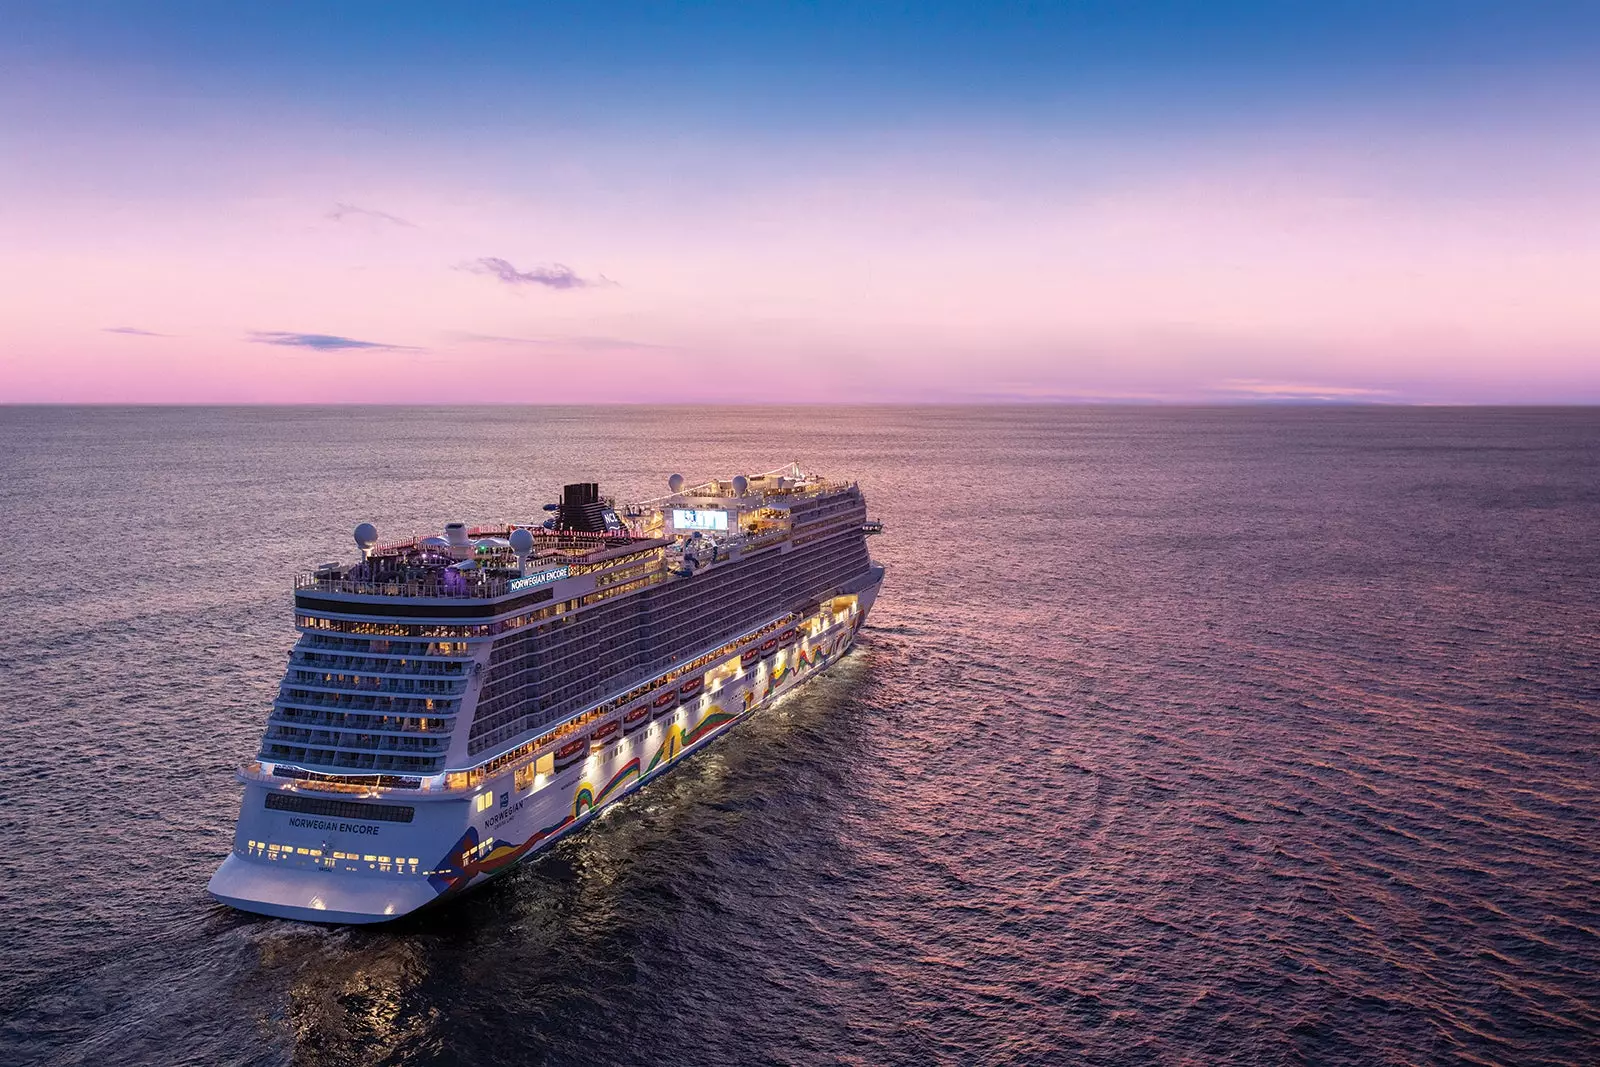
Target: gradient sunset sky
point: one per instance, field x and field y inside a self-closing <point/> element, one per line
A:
<point x="1116" y="200"/>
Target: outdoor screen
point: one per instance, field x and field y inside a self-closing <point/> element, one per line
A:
<point x="683" y="519"/>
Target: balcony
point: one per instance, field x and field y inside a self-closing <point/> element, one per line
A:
<point x="414" y="707"/>
<point x="395" y="724"/>
<point x="379" y="684"/>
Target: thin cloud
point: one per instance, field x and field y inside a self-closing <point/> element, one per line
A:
<point x="582" y="343"/>
<point x="1257" y="389"/>
<point x="1021" y="393"/>
<point x="134" y="331"/>
<point x="552" y="276"/>
<point x="320" y="342"/>
<point x="343" y="211"/>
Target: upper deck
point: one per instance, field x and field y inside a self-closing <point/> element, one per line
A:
<point x="665" y="537"/>
<point x="430" y="652"/>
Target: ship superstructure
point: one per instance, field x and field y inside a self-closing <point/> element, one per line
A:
<point x="457" y="702"/>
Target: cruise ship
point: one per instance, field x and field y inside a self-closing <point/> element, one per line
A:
<point x="456" y="703"/>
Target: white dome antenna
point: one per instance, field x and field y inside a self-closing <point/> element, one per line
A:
<point x="675" y="483"/>
<point x="366" y="537"/>
<point x="522" y="545"/>
<point x="741" y="485"/>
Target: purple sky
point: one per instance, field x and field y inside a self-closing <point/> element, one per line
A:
<point x="1168" y="202"/>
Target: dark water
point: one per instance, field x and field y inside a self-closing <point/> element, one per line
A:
<point x="1177" y="737"/>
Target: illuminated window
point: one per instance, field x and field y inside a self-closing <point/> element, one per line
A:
<point x="484" y="800"/>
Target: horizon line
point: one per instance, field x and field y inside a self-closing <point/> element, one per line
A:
<point x="701" y="405"/>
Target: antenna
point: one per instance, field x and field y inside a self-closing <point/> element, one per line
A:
<point x="522" y="545"/>
<point x="675" y="483"/>
<point x="366" y="537"/>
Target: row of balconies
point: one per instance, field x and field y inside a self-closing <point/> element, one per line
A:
<point x="379" y="663"/>
<point x="361" y="645"/>
<point x="345" y="701"/>
<point x="278" y="752"/>
<point x="399" y="724"/>
<point x="369" y="742"/>
<point x="373" y="683"/>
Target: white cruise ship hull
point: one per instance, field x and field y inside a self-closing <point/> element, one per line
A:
<point x="341" y="867"/>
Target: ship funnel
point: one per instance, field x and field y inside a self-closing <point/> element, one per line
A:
<point x="581" y="508"/>
<point x="455" y="533"/>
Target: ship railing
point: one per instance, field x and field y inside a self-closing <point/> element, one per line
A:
<point x="373" y="665"/>
<point x="316" y="681"/>
<point x="358" y="740"/>
<point x="483" y="588"/>
<point x="706" y="491"/>
<point x="387" y="663"/>
<point x="345" y="700"/>
<point x="304" y="719"/>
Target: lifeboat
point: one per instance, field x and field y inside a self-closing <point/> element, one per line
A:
<point x="691" y="687"/>
<point x="667" y="699"/>
<point x="661" y="711"/>
<point x="749" y="657"/>
<point x="636" y="718"/>
<point x="571" y="752"/>
<point x="769" y="646"/>
<point x="606" y="733"/>
<point x="786" y="638"/>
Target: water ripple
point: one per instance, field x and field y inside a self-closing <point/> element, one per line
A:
<point x="1204" y="737"/>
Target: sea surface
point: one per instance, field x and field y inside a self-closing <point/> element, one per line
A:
<point x="1216" y="736"/>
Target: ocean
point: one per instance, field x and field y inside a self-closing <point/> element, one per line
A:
<point x="1260" y="735"/>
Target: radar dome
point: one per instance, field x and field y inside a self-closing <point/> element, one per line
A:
<point x="741" y="485"/>
<point x="675" y="483"/>
<point x="521" y="542"/>
<point x="366" y="535"/>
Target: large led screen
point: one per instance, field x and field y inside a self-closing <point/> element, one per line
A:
<point x="684" y="519"/>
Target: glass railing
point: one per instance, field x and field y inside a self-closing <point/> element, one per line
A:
<point x="485" y="588"/>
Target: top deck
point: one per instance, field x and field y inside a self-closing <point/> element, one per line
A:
<point x="480" y="563"/>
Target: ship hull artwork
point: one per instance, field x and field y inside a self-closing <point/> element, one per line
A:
<point x="412" y="755"/>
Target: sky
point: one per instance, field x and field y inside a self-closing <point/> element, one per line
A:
<point x="1167" y="201"/>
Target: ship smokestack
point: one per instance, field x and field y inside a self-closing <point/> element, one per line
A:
<point x="581" y="509"/>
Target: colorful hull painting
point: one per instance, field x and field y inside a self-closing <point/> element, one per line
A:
<point x="563" y="807"/>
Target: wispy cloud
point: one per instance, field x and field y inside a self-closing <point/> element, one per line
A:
<point x="1257" y="389"/>
<point x="1024" y="393"/>
<point x="582" y="343"/>
<point x="342" y="212"/>
<point x="552" y="276"/>
<point x="134" y="331"/>
<point x="320" y="342"/>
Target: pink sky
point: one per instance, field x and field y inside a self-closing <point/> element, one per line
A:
<point x="956" y="261"/>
